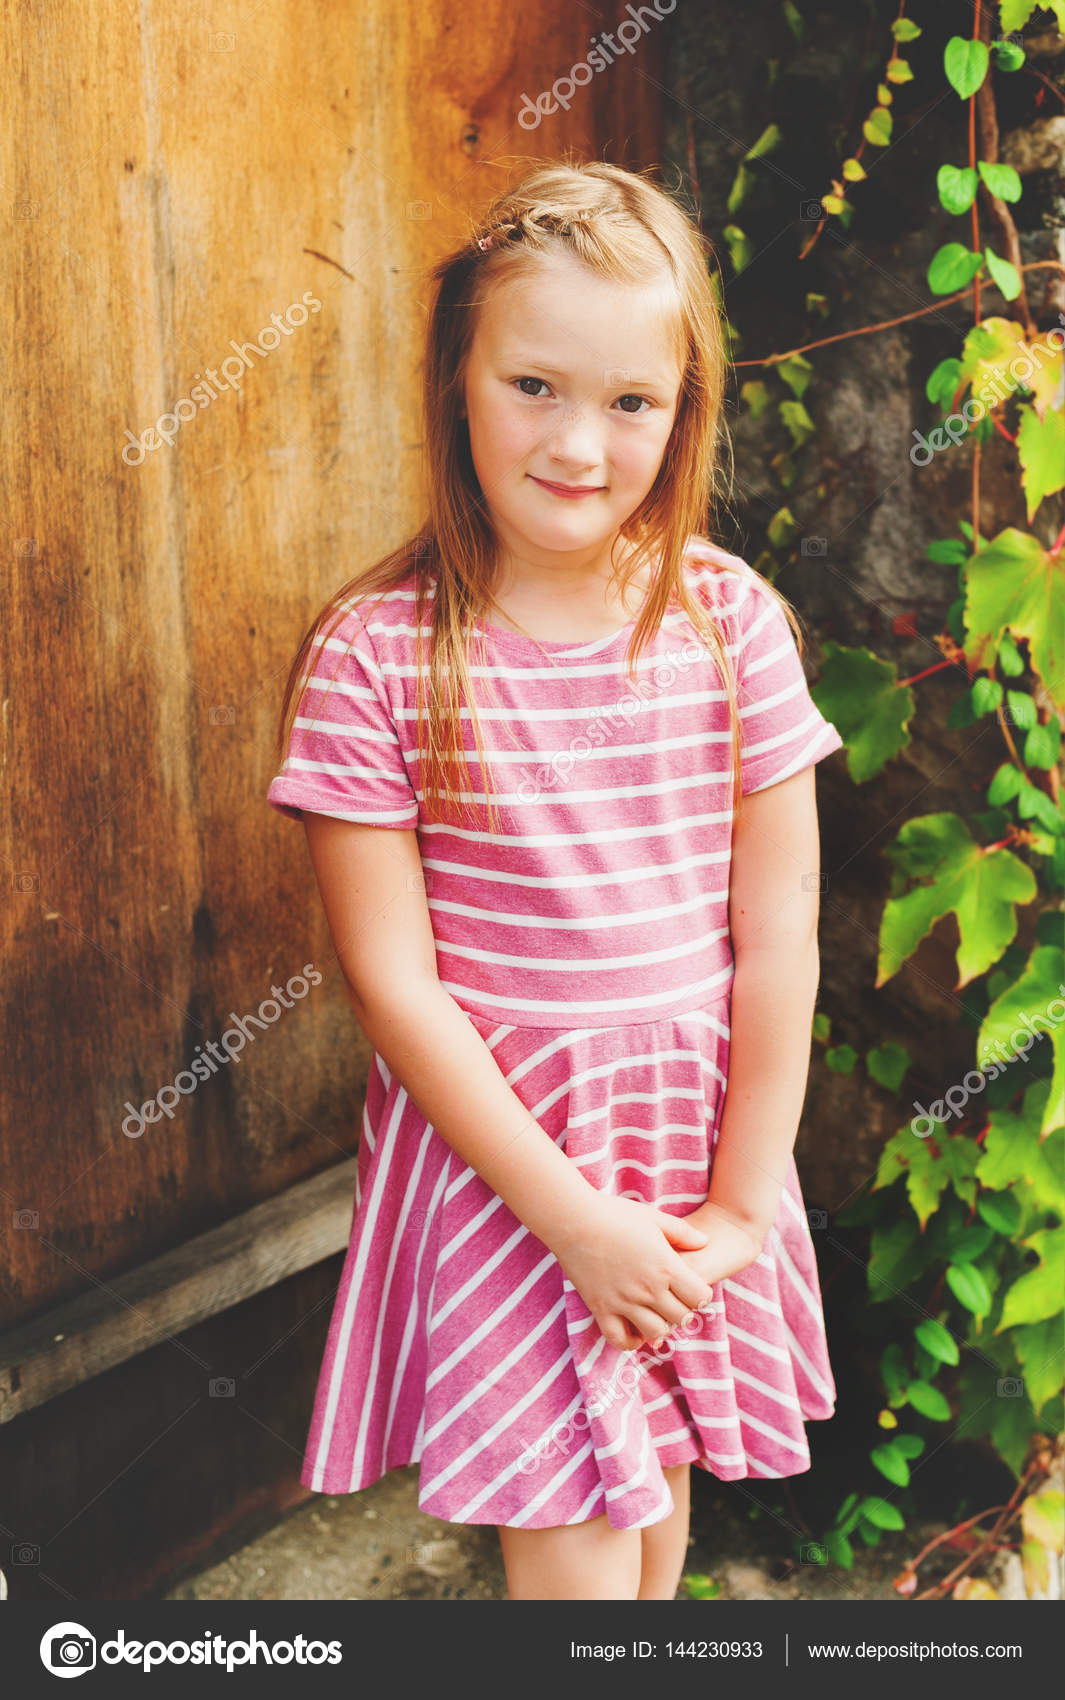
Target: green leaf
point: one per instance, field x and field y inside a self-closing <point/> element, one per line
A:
<point x="971" y="1242"/>
<point x="782" y="528"/>
<point x="1042" y="745"/>
<point x="756" y="395"/>
<point x="769" y="139"/>
<point x="796" y="372"/>
<point x="841" y="1059"/>
<point x="881" y="1514"/>
<point x="1022" y="710"/>
<point x="1000" y="1211"/>
<point x="1036" y="1294"/>
<point x="1009" y="55"/>
<point x="969" y="1287"/>
<point x="929" y="1165"/>
<point x="853" y="170"/>
<point x="840" y="1550"/>
<point x="956" y="188"/>
<point x="1014" y="583"/>
<point x="965" y="63"/>
<point x="937" y="1341"/>
<point x="1038" y="1346"/>
<point x="887" y="1065"/>
<point x="929" y="1401"/>
<point x="1041" y="447"/>
<point x="1004" y="273"/>
<point x="740" y="247"/>
<point x="1015" y="1156"/>
<point x="798" y="421"/>
<point x="898" y="71"/>
<point x="953" y="266"/>
<point x="903" y="30"/>
<point x="897" y="1256"/>
<point x="910" y="1445"/>
<point x="822" y="1026"/>
<point x="794" y="19"/>
<point x="1027" y="1015"/>
<point x="891" y="1464"/>
<point x="1014" y="14"/>
<point x="833" y="203"/>
<point x="877" y="127"/>
<point x="861" y="695"/>
<point x="1010" y="659"/>
<point x="893" y="1371"/>
<point x="738" y="192"/>
<point x="957" y="875"/>
<point x="1001" y="180"/>
<point x="940" y="386"/>
<point x="1006" y="784"/>
<point x="986" y="694"/>
<point x="948" y="551"/>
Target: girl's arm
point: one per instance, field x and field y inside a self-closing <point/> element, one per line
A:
<point x="619" y="1254"/>
<point x="773" y="911"/>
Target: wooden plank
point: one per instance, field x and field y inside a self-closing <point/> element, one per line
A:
<point x="114" y="1321"/>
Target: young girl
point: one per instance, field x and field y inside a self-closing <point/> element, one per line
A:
<point x="576" y="1266"/>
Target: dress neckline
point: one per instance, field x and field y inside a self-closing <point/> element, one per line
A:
<point x="554" y="646"/>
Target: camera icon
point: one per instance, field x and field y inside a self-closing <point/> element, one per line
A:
<point x="26" y="1219"/>
<point x="617" y="375"/>
<point x="68" y="1647"/>
<point x="27" y="882"/>
<point x="419" y="209"/>
<point x="811" y="212"/>
<point x="25" y="545"/>
<point x="222" y="41"/>
<point x="815" y="882"/>
<point x="27" y="209"/>
<point x="817" y="1218"/>
<point x="812" y="1552"/>
<point x="24" y="1553"/>
<point x="221" y="1387"/>
<point x="419" y="882"/>
<point x="224" y="715"/>
<point x="1009" y="1387"/>
<point x="420" y="546"/>
<point x="813" y="546"/>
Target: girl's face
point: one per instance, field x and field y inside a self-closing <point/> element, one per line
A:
<point x="572" y="380"/>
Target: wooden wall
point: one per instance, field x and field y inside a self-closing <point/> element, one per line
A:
<point x="175" y="178"/>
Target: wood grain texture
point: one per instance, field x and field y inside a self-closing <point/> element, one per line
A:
<point x="175" y="177"/>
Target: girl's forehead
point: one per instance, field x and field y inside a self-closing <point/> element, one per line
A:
<point x="561" y="310"/>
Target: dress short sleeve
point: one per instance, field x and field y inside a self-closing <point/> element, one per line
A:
<point x="782" y="728"/>
<point x="345" y="756"/>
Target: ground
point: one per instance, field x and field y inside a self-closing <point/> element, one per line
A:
<point x="376" y="1544"/>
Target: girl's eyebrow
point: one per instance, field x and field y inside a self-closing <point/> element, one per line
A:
<point x="521" y="359"/>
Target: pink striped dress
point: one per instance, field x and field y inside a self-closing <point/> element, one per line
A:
<point x="588" y="944"/>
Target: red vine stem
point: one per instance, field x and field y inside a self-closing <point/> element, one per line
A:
<point x="937" y="668"/>
<point x="1058" y="543"/>
<point x="888" y="324"/>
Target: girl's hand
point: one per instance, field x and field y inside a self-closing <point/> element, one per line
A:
<point x="730" y="1248"/>
<point x="629" y="1263"/>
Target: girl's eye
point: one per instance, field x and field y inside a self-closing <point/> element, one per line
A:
<point x="543" y="381"/>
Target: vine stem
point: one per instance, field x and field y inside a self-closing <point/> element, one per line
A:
<point x="936" y="668"/>
<point x="1008" y="1513"/>
<point x="1058" y="543"/>
<point x="888" y="324"/>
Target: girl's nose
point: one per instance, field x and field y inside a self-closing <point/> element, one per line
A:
<point x="573" y="440"/>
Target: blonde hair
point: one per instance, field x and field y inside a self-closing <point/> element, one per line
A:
<point x="628" y="229"/>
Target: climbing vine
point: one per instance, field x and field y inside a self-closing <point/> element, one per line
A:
<point x="966" y="1210"/>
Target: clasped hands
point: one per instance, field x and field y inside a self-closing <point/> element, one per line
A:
<point x="642" y="1272"/>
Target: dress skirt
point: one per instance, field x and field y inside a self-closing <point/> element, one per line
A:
<point x="457" y="1343"/>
